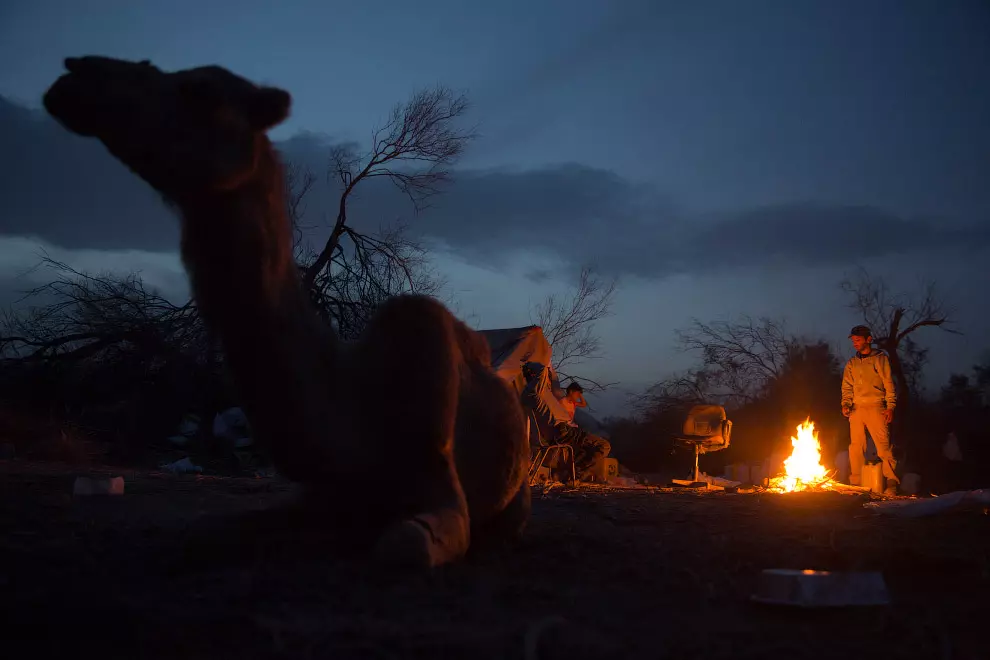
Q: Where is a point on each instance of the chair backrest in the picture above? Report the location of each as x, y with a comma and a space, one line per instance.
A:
707, 425
704, 420
535, 402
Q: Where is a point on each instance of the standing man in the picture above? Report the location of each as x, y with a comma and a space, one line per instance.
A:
868, 400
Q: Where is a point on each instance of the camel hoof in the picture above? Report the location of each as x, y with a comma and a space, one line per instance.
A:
406, 545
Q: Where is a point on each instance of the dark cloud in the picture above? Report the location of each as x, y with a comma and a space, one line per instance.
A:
588, 215
511, 104
70, 192
820, 234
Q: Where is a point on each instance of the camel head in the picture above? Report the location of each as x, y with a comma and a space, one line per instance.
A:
185, 133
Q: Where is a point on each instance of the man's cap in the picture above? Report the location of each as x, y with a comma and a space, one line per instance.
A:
860, 331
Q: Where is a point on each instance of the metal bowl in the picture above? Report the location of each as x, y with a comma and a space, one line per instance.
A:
807, 588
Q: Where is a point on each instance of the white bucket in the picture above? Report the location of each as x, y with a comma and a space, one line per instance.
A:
872, 477
737, 472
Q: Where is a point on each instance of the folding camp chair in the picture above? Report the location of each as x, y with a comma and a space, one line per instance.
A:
541, 422
547, 449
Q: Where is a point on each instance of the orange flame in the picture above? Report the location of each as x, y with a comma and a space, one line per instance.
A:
803, 469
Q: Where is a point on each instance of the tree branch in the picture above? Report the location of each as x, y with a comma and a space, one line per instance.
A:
568, 324
885, 312
420, 135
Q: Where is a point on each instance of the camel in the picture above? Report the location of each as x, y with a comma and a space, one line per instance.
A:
451, 439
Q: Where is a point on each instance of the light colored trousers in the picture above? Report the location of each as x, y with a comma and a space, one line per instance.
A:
870, 418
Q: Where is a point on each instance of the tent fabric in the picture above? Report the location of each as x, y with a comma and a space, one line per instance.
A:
534, 398
511, 348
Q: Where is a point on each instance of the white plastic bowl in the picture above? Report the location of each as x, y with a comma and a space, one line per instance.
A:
796, 588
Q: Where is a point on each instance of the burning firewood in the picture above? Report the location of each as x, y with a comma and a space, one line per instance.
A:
803, 469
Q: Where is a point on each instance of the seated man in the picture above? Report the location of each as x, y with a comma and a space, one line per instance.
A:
573, 400
589, 449
557, 428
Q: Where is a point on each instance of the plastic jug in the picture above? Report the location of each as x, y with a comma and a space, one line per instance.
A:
872, 477
611, 468
607, 468
756, 475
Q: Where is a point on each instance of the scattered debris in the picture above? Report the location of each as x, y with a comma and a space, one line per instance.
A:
724, 483
188, 428
624, 482
847, 489
807, 588
181, 466
232, 425
817, 501
916, 508
88, 486
548, 486
687, 483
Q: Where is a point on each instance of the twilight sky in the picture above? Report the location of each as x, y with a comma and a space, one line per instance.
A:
718, 156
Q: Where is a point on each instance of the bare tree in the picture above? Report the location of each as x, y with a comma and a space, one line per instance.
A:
91, 315
414, 150
107, 352
569, 322
299, 181
368, 271
689, 387
981, 371
893, 317
109, 329
738, 358
364, 271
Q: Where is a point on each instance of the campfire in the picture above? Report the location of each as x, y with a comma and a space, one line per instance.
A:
803, 470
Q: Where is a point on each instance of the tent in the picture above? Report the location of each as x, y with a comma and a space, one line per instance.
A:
512, 348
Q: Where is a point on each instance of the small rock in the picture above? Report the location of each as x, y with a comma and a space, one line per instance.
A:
87, 486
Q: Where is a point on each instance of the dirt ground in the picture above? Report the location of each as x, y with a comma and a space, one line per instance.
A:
647, 574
